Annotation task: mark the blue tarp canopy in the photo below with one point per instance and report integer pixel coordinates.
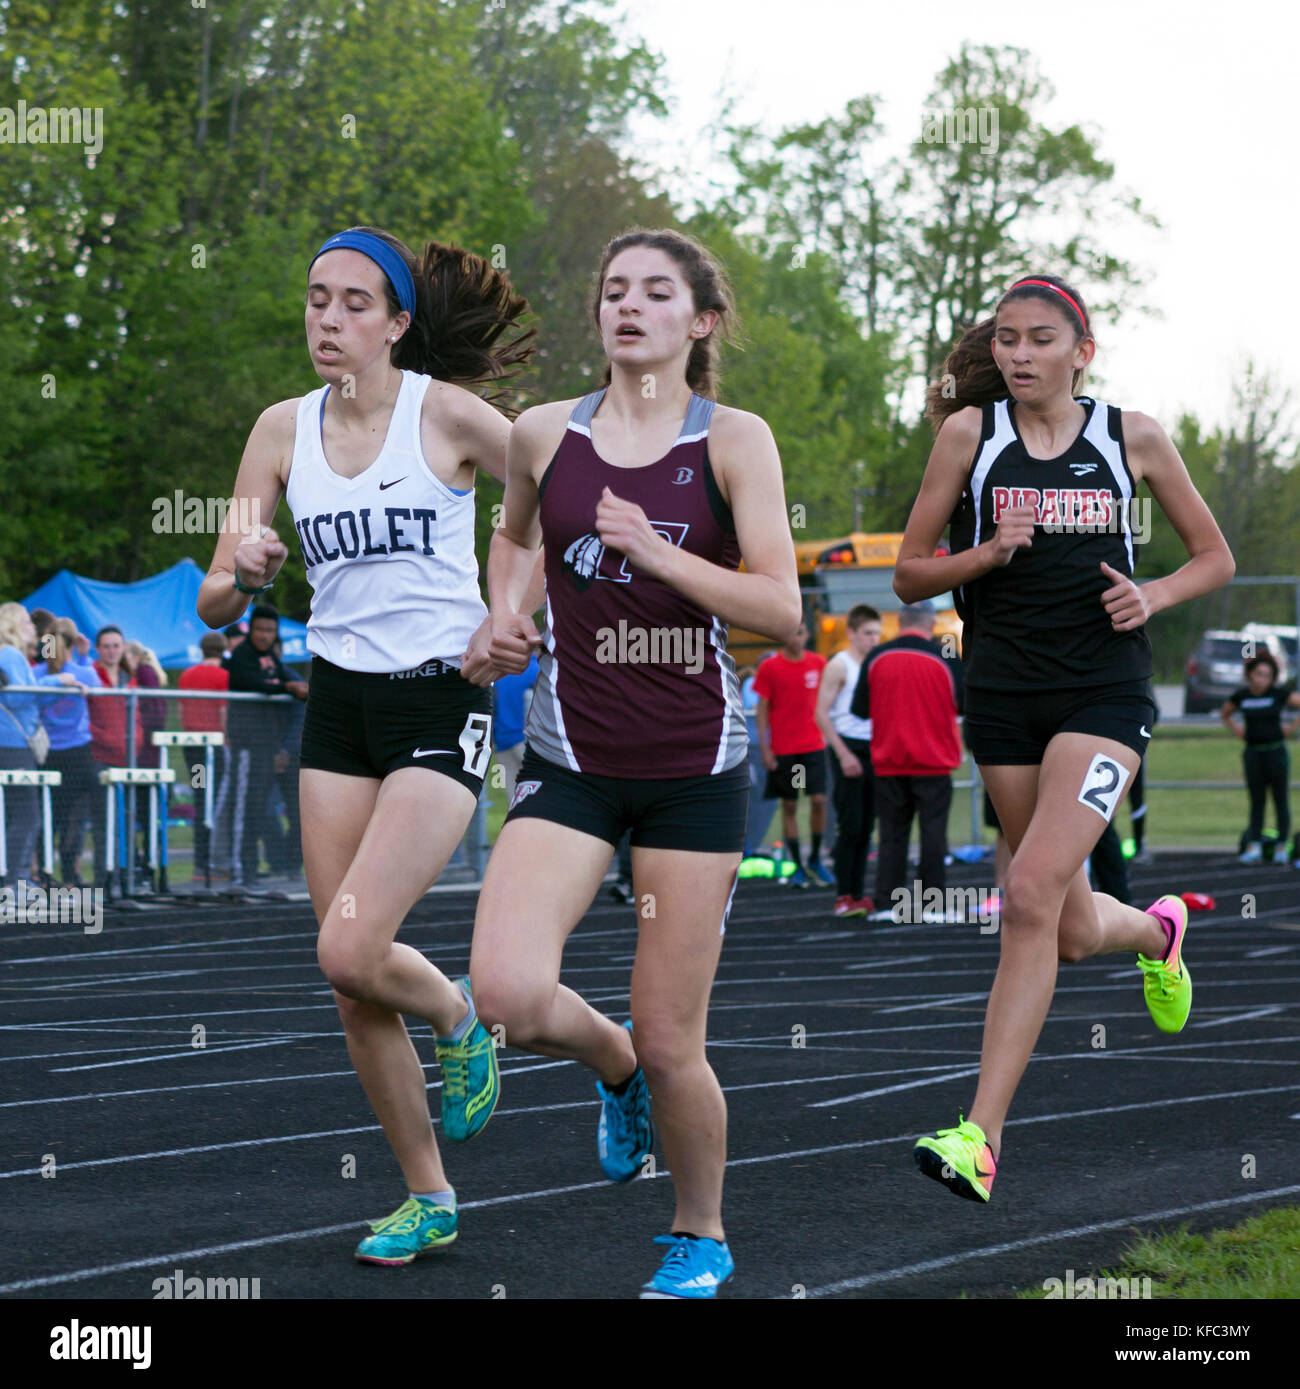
(158, 612)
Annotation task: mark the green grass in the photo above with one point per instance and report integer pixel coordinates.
(1260, 1258)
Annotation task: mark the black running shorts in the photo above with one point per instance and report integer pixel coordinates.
(797, 774)
(1012, 729)
(365, 724)
(703, 813)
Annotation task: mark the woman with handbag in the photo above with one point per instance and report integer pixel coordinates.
(23, 742)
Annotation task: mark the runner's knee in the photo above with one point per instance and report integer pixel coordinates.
(1031, 897)
(516, 1005)
(664, 1045)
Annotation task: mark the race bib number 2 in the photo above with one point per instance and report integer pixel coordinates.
(1103, 785)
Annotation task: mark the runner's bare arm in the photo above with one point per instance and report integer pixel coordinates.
(259, 486)
(1153, 457)
(918, 573)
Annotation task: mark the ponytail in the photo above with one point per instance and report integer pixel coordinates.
(466, 326)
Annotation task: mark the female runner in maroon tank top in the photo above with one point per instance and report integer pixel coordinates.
(645, 497)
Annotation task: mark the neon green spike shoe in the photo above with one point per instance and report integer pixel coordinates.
(416, 1227)
(471, 1083)
(1168, 984)
(960, 1158)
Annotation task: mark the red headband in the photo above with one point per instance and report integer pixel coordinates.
(1056, 289)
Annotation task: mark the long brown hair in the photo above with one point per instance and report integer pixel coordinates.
(709, 291)
(466, 327)
(971, 376)
(57, 641)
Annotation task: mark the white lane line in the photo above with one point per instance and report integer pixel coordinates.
(22, 1285)
(1268, 950)
(105, 1269)
(940, 1002)
(889, 1275)
(893, 1089)
(1146, 1051)
(214, 1049)
(374, 1128)
(1243, 1017)
(889, 964)
(259, 1080)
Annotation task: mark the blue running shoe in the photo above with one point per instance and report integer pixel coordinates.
(817, 872)
(471, 1084)
(799, 878)
(415, 1227)
(691, 1268)
(625, 1134)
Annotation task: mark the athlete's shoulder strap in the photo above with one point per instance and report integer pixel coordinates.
(699, 414)
(580, 415)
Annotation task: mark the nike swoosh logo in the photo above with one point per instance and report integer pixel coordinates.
(382, 485)
(1143, 731)
(435, 752)
(978, 1173)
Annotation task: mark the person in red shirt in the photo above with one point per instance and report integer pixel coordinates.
(204, 716)
(794, 751)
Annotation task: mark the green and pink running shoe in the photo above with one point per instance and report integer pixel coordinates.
(960, 1158)
(1168, 984)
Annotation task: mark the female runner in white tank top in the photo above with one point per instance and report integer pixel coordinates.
(378, 468)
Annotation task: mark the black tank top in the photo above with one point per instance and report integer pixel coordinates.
(1038, 623)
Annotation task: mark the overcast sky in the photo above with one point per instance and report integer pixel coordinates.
(1197, 105)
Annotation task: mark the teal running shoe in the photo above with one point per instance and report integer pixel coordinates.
(471, 1083)
(691, 1268)
(625, 1134)
(416, 1227)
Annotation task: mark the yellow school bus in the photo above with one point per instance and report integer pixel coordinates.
(836, 575)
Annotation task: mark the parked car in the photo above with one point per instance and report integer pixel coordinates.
(1215, 667)
(1283, 644)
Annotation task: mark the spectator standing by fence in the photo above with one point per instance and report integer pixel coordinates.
(912, 693)
(255, 736)
(18, 723)
(67, 721)
(205, 716)
(109, 721)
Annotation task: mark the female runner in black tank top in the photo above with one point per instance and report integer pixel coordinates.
(609, 734)
(1058, 700)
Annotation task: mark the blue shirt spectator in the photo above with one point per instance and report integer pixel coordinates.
(67, 719)
(511, 692)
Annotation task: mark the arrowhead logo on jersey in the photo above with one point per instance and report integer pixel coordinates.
(1083, 469)
(522, 789)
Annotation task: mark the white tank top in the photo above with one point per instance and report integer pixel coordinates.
(846, 724)
(389, 553)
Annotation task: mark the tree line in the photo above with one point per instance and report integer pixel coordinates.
(153, 288)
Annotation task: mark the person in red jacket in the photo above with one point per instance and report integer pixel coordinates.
(108, 724)
(912, 693)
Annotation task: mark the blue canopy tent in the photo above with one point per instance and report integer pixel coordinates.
(158, 611)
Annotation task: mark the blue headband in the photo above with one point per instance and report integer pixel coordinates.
(383, 255)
